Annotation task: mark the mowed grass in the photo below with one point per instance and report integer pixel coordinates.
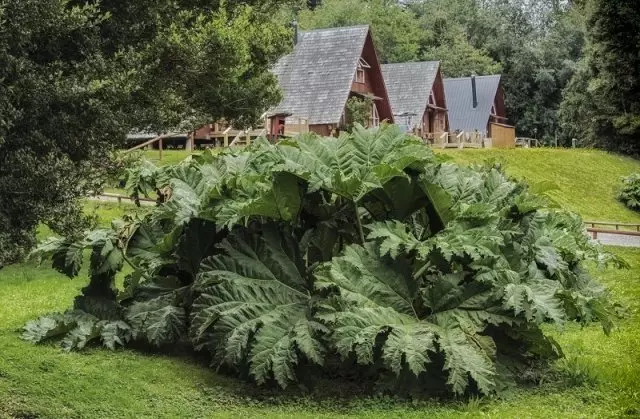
(587, 180)
(600, 373)
(170, 157)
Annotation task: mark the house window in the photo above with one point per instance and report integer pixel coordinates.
(375, 117)
(360, 71)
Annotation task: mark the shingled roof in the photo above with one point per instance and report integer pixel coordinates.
(409, 86)
(316, 77)
(462, 115)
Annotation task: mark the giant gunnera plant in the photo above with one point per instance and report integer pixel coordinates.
(327, 256)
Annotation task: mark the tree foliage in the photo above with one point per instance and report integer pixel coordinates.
(362, 254)
(630, 191)
(357, 111)
(602, 102)
(76, 77)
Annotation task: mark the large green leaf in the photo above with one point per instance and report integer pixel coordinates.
(378, 308)
(353, 165)
(255, 307)
(279, 198)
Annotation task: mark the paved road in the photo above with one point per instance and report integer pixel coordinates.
(619, 240)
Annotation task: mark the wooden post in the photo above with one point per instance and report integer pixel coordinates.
(160, 148)
(248, 137)
(226, 139)
(191, 141)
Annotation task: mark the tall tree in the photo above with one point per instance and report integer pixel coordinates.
(75, 77)
(602, 104)
(395, 29)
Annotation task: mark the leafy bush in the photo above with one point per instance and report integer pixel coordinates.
(360, 255)
(630, 192)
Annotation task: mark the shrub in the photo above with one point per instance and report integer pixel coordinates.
(630, 192)
(356, 255)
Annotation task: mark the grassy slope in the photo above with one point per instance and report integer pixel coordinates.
(41, 381)
(587, 179)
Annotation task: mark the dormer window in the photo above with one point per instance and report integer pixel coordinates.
(360, 71)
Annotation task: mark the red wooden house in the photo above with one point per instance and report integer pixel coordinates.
(416, 91)
(325, 69)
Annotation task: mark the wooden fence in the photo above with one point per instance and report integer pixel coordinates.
(605, 227)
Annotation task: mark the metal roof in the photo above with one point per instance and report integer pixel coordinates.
(316, 77)
(462, 115)
(409, 86)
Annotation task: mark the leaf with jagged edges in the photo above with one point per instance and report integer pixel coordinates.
(355, 164)
(457, 243)
(394, 238)
(114, 334)
(255, 307)
(189, 193)
(147, 247)
(467, 356)
(67, 255)
(158, 321)
(538, 301)
(451, 298)
(278, 198)
(77, 329)
(377, 311)
(46, 327)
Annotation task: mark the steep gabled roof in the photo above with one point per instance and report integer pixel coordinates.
(316, 77)
(409, 86)
(462, 115)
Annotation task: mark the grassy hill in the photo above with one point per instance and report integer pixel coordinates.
(587, 180)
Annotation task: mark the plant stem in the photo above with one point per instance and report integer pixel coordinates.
(421, 271)
(359, 223)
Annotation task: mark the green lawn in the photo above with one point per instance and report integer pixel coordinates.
(587, 180)
(103, 211)
(42, 381)
(168, 156)
(173, 156)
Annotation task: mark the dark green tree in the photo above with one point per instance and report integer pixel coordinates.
(75, 77)
(395, 29)
(602, 103)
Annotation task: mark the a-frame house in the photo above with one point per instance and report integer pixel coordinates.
(476, 105)
(325, 69)
(416, 92)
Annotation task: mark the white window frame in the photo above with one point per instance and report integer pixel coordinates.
(360, 71)
(375, 116)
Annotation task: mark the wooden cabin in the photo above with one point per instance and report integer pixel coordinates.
(416, 92)
(476, 106)
(325, 69)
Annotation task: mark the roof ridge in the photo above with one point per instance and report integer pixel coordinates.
(335, 28)
(487, 76)
(412, 62)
